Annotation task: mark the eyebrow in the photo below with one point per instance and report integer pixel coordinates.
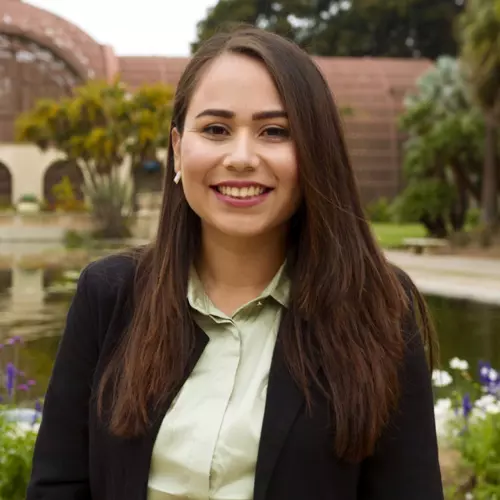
(261, 115)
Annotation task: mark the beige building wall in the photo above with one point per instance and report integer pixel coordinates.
(27, 166)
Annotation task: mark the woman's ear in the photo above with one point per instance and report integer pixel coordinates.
(176, 147)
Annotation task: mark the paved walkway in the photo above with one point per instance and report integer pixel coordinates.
(450, 276)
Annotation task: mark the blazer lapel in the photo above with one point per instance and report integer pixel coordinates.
(284, 400)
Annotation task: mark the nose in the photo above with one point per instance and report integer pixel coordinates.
(241, 155)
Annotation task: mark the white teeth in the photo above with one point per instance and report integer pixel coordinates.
(245, 192)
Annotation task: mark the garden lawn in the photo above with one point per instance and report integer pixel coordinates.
(392, 235)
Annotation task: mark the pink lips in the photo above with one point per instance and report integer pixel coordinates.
(250, 201)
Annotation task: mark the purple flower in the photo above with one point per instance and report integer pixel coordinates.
(467, 405)
(31, 383)
(484, 372)
(23, 387)
(38, 411)
(489, 378)
(11, 377)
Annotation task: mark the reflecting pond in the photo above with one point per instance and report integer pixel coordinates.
(34, 303)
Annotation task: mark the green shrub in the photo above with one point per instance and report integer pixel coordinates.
(379, 211)
(472, 419)
(16, 453)
(28, 198)
(427, 197)
(473, 218)
(74, 239)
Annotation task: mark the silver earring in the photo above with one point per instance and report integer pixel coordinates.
(177, 177)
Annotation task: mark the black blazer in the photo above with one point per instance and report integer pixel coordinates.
(76, 459)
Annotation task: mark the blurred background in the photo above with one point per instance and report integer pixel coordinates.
(85, 104)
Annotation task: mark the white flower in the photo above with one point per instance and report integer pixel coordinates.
(476, 414)
(493, 375)
(459, 364)
(441, 378)
(442, 405)
(485, 405)
(443, 412)
(485, 401)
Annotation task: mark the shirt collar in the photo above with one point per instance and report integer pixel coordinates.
(278, 288)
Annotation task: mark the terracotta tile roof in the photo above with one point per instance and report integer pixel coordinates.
(61, 36)
(372, 89)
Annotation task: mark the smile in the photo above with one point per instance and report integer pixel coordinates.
(241, 192)
(241, 195)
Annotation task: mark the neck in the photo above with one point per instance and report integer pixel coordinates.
(242, 267)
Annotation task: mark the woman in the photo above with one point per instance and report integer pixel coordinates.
(262, 347)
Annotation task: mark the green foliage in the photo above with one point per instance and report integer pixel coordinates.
(65, 196)
(101, 124)
(379, 211)
(393, 28)
(443, 151)
(16, 452)
(473, 218)
(473, 427)
(98, 128)
(480, 33)
(480, 447)
(28, 198)
(425, 197)
(111, 198)
(73, 239)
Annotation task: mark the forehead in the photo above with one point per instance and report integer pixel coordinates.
(237, 83)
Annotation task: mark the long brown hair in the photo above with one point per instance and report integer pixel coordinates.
(347, 305)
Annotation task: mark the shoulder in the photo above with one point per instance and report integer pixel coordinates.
(111, 272)
(108, 280)
(403, 278)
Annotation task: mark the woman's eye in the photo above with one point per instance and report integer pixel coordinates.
(215, 130)
(277, 132)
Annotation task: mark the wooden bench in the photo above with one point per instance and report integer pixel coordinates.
(419, 245)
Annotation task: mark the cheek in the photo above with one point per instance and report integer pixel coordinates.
(287, 171)
(196, 157)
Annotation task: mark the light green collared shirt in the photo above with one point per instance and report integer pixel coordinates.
(207, 445)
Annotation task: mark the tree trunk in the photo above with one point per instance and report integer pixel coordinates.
(489, 191)
(458, 212)
(436, 226)
(462, 177)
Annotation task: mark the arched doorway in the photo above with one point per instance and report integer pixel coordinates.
(148, 185)
(58, 172)
(5, 186)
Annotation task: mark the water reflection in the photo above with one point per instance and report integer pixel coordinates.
(34, 304)
(467, 330)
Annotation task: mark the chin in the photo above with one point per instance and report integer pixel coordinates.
(241, 233)
(242, 229)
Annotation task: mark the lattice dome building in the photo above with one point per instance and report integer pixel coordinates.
(43, 55)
